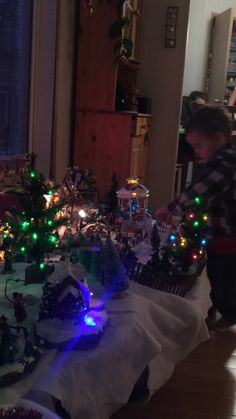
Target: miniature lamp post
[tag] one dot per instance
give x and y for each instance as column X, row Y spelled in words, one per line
column 82, row 215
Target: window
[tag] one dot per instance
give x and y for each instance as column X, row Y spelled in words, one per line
column 15, row 59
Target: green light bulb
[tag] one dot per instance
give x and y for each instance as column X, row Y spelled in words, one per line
column 197, row 200
column 42, row 266
column 32, row 173
column 25, row 225
column 196, row 224
column 50, row 192
column 52, row 239
column 23, row 249
column 49, row 222
column 35, row 236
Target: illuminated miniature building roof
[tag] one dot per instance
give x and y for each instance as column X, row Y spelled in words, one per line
column 133, row 189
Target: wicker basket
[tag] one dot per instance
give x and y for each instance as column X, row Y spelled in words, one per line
column 178, row 284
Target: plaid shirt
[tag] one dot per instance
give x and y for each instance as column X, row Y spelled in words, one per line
column 217, row 186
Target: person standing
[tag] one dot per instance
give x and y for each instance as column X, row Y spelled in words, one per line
column 232, row 98
column 208, row 132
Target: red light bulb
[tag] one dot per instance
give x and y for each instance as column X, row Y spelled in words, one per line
column 191, row 216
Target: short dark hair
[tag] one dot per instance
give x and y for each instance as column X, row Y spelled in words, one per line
column 209, row 120
column 197, row 94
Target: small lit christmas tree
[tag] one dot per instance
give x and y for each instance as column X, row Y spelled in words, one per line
column 178, row 254
column 34, row 227
column 187, row 244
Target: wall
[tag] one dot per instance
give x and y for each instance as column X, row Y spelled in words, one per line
column 161, row 78
column 53, row 55
column 42, row 82
column 198, row 40
column 63, row 92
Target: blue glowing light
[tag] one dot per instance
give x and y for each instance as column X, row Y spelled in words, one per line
column 172, row 237
column 203, row 242
column 89, row 320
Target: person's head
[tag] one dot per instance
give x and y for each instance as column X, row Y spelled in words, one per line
column 207, row 131
column 198, row 97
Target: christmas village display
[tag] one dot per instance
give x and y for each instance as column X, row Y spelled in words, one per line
column 11, row 169
column 103, row 243
column 78, row 189
column 133, row 205
column 66, row 320
column 32, row 231
column 176, row 256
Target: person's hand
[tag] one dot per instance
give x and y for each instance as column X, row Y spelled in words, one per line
column 163, row 215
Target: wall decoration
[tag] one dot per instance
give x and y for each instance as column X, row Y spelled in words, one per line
column 171, row 26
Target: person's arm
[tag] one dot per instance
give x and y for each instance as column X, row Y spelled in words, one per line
column 232, row 98
column 216, row 179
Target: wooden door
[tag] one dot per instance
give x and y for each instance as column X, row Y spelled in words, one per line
column 220, row 54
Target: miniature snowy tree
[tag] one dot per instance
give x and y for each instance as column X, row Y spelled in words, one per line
column 115, row 277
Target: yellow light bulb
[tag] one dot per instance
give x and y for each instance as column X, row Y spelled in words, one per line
column 132, row 181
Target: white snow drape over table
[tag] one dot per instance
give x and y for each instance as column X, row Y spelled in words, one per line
column 147, row 327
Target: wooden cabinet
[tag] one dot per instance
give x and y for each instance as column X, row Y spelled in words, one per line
column 106, row 140
column 136, row 153
column 221, row 71
column 103, row 145
column 96, row 72
column 110, row 142
column 139, row 147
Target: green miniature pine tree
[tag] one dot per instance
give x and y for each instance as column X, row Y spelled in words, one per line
column 34, row 227
column 187, row 244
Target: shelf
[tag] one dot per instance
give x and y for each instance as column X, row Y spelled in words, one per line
column 134, row 65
